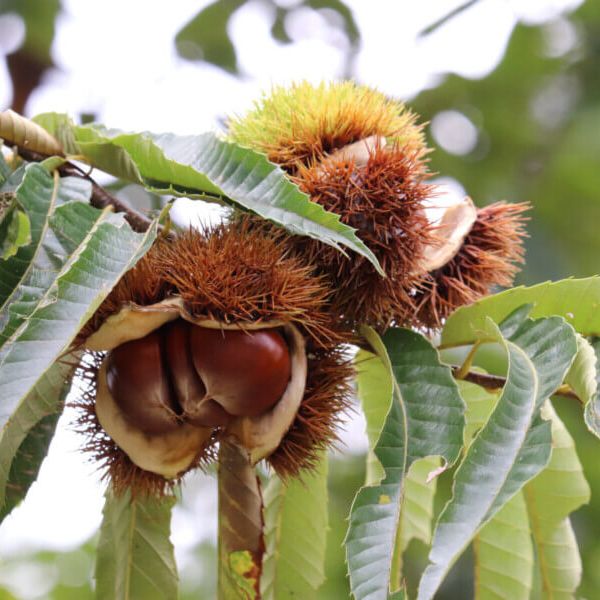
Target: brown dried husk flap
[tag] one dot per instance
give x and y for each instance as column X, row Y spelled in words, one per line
column 259, row 436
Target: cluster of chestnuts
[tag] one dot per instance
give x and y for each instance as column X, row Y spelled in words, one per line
column 240, row 332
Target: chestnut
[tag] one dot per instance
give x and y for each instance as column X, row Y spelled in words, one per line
column 137, row 380
column 206, row 377
column 246, row 372
column 161, row 392
column 196, row 406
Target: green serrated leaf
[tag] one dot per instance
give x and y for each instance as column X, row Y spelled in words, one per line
column 56, row 240
column 512, row 447
column 416, row 512
column 480, row 404
column 576, row 300
column 375, row 388
column 106, row 248
column 374, row 385
column 556, row 492
column 24, row 443
column 425, row 419
column 204, row 163
column 504, row 554
column 135, row 558
column 503, row 549
column 295, row 530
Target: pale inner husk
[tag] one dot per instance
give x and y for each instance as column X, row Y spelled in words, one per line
column 171, row 454
column 450, row 230
column 135, row 321
column 359, row 152
column 168, row 454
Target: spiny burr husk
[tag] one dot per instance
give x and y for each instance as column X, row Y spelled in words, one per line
column 362, row 156
column 228, row 274
column 489, row 256
column 297, row 126
column 383, row 199
column 230, row 277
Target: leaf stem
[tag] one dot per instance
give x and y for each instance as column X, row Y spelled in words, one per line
column 468, row 362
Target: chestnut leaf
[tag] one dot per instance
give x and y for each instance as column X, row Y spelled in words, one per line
column 416, row 511
column 135, row 556
column 425, row 417
column 207, row 167
column 295, row 532
column 513, row 446
column 503, row 549
column 23, row 446
column 576, row 300
column 557, row 491
column 78, row 257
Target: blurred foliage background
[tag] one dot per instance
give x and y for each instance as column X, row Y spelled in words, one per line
column 528, row 130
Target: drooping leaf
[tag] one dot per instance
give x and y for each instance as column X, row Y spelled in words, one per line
column 374, row 390
column 27, row 134
column 480, row 404
column 55, row 241
column 295, row 530
column 575, row 300
column 425, row 419
column 512, row 447
column 504, row 556
column 551, row 497
column 15, row 228
column 24, row 444
column 374, row 385
column 416, row 512
column 101, row 247
column 503, row 550
column 212, row 168
column 135, row 558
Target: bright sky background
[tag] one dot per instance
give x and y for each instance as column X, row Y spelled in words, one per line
column 117, row 58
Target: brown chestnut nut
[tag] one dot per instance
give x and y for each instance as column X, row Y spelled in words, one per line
column 196, row 406
column 206, row 377
column 138, row 382
column 246, row 372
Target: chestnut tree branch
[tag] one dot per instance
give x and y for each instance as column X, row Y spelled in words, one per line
column 100, row 197
column 496, row 382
